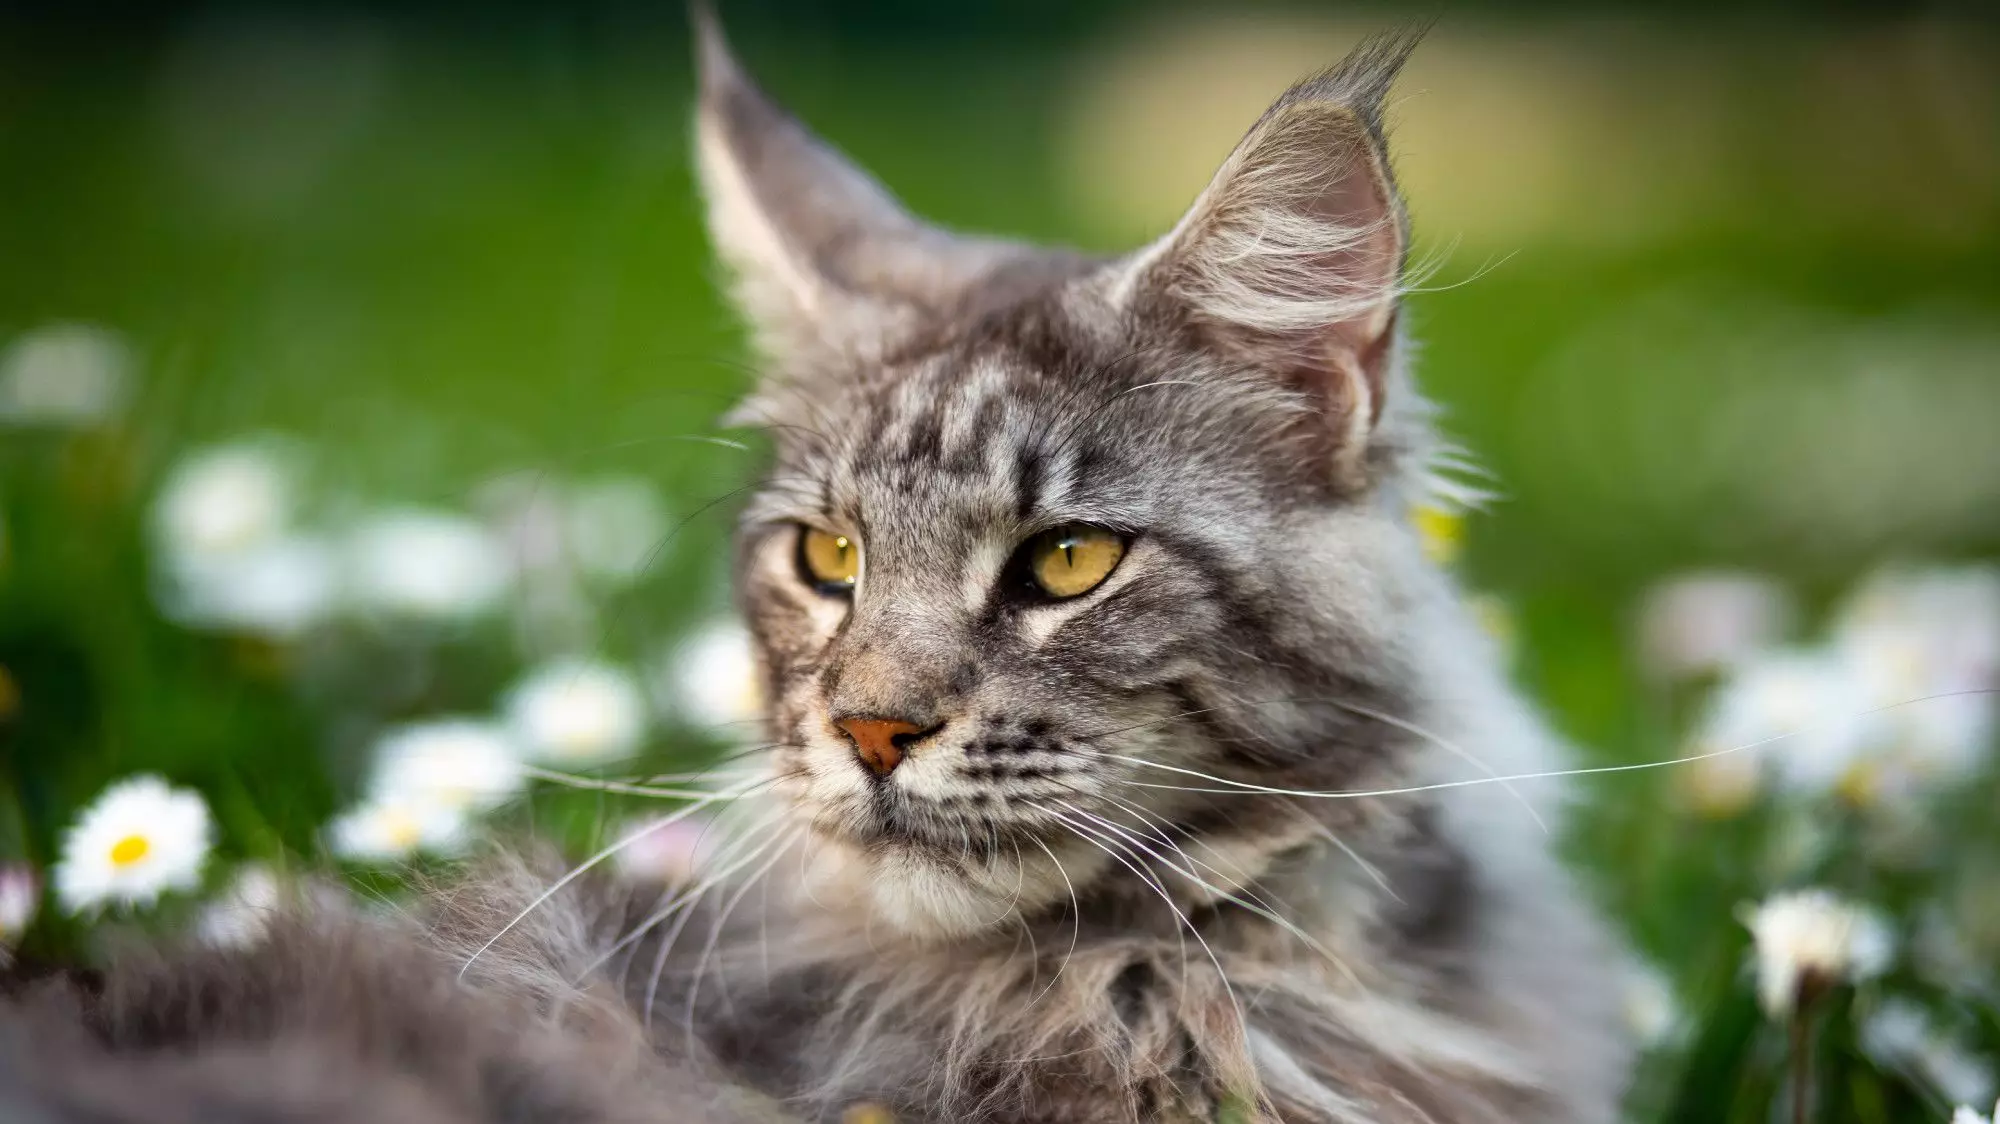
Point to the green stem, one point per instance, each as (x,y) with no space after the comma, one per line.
(1801,1064)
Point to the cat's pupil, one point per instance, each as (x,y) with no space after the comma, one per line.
(1071,561)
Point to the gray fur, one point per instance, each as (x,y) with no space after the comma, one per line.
(1235,400)
(1125,877)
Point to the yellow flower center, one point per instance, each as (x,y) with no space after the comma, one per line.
(1860,784)
(401,829)
(1441,532)
(129,850)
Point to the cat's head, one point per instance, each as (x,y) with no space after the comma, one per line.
(1049,539)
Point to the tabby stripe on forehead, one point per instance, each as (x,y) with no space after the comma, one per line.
(926,440)
(968,454)
(1029,473)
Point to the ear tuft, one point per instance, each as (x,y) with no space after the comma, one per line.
(1291,260)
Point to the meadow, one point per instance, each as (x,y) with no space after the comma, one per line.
(360,477)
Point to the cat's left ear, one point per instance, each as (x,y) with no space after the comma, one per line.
(1290,260)
(824,259)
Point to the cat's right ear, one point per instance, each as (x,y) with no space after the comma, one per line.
(824,260)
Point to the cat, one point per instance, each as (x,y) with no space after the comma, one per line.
(1128,760)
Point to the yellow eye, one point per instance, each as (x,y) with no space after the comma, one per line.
(1070,561)
(831,561)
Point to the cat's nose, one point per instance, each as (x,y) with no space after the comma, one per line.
(879,742)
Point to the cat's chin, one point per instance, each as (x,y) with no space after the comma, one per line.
(915,891)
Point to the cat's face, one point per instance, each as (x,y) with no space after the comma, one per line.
(1048,540)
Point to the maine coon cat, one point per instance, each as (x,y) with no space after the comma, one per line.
(1128,761)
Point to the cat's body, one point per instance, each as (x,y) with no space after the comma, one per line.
(1088,602)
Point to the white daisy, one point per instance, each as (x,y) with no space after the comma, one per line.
(20,899)
(1809,940)
(1926,644)
(1799,710)
(575,711)
(711,680)
(63,375)
(1966,1114)
(426,565)
(1722,785)
(279,589)
(242,914)
(1704,622)
(1930,628)
(388,830)
(457,764)
(140,838)
(225,502)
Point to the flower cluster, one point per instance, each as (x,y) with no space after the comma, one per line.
(238,551)
(1840,762)
(400,616)
(1897,699)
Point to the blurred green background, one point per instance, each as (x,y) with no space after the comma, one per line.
(1710,287)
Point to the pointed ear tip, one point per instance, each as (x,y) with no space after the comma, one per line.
(715,66)
(1360,82)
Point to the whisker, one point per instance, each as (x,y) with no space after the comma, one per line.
(1076,919)
(1587,771)
(677,903)
(584,867)
(1243,875)
(714,935)
(623,788)
(1152,883)
(1452,748)
(1242,1021)
(684,905)
(1221,894)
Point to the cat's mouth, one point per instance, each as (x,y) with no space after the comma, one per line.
(887,820)
(895,819)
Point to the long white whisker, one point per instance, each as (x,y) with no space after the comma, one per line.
(1241,875)
(676,904)
(1259,907)
(1373,872)
(1450,747)
(1075,914)
(1594,770)
(622,788)
(1242,1021)
(682,902)
(715,934)
(587,864)
(1095,839)
(741,850)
